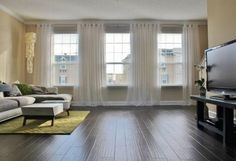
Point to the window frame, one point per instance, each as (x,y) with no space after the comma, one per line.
(161,64)
(109,85)
(57,65)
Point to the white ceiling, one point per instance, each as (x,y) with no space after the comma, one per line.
(108,9)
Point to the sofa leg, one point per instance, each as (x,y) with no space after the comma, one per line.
(24,121)
(52,123)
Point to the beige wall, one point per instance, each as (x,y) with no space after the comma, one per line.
(203,39)
(221,24)
(12,61)
(221,21)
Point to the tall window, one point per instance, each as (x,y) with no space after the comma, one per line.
(170,58)
(117,58)
(65,57)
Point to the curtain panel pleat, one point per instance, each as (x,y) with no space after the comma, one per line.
(91,64)
(191,51)
(144,88)
(42,60)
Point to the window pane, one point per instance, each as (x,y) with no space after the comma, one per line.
(66,38)
(109,57)
(117,51)
(74,49)
(74,58)
(74,38)
(178,38)
(118,48)
(125,58)
(126,48)
(169,38)
(170,58)
(119,69)
(109,38)
(66,48)
(58,38)
(171,74)
(118,57)
(58,49)
(118,38)
(117,74)
(110,68)
(161,38)
(109,48)
(126,38)
(65,66)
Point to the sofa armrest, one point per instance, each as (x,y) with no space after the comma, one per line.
(53,90)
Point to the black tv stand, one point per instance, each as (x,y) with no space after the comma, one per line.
(224,97)
(224,124)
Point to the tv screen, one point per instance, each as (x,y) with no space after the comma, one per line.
(221,68)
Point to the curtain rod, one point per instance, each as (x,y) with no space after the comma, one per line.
(199,22)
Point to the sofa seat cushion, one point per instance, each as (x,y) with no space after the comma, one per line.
(6,105)
(44,97)
(22,100)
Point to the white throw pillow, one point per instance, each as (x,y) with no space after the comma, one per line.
(15,91)
(1,95)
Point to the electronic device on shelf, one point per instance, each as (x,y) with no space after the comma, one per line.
(221,70)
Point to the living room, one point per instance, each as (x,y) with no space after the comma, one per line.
(111,80)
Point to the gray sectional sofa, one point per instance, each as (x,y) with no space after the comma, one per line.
(10,107)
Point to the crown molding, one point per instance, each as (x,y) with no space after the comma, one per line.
(11,13)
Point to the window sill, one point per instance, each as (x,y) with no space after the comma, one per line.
(117,86)
(172,85)
(63,85)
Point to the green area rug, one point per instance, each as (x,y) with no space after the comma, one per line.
(63,124)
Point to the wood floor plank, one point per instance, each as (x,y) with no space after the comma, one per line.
(142,134)
(104,146)
(179,140)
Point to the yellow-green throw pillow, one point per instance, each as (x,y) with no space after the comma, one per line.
(25,89)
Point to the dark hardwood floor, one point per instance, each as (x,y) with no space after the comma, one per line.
(147,134)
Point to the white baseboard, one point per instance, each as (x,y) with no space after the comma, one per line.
(124,103)
(178,102)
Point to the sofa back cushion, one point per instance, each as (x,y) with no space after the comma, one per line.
(38,89)
(6,89)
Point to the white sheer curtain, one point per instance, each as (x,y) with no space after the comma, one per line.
(144,88)
(191,49)
(91,64)
(42,59)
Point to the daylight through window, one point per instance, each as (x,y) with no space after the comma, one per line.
(170,58)
(117,58)
(65,58)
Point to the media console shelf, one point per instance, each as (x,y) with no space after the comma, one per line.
(225,114)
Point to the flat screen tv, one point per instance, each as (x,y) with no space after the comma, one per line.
(221,69)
